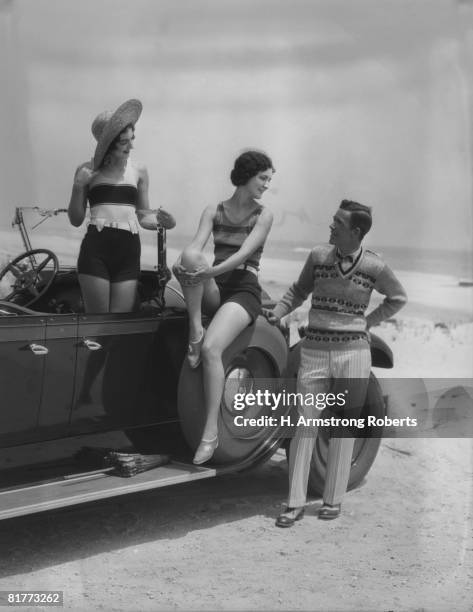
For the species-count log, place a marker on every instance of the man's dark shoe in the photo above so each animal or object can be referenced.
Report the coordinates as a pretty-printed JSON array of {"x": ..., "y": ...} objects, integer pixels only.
[
  {"x": 289, "y": 517},
  {"x": 328, "y": 512}
]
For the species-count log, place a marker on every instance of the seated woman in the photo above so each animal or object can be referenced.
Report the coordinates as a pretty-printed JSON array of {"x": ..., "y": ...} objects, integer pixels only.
[
  {"x": 117, "y": 191},
  {"x": 228, "y": 289}
]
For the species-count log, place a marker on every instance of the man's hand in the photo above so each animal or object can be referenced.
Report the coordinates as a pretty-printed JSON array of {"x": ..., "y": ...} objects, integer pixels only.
[{"x": 270, "y": 316}]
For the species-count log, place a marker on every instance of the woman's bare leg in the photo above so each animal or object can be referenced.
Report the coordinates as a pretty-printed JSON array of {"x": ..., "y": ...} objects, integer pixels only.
[
  {"x": 204, "y": 295},
  {"x": 229, "y": 321},
  {"x": 95, "y": 293},
  {"x": 123, "y": 296}
]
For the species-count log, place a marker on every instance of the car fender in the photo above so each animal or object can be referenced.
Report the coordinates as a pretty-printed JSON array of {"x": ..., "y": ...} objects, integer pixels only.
[{"x": 381, "y": 354}]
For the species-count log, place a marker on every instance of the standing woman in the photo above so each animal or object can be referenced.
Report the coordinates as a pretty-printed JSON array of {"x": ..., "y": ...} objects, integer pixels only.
[
  {"x": 117, "y": 192},
  {"x": 228, "y": 289}
]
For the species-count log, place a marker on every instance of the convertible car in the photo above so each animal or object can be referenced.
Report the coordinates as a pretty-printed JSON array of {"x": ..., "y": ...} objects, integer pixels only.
[{"x": 77, "y": 388}]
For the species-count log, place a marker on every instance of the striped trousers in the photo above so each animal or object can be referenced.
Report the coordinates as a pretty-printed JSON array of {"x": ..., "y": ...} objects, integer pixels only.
[{"x": 318, "y": 373}]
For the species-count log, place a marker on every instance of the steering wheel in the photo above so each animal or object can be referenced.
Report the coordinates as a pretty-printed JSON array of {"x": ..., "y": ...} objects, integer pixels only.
[{"x": 27, "y": 271}]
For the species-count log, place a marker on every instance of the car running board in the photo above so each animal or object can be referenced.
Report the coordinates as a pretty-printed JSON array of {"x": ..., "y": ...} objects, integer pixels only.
[{"x": 92, "y": 486}]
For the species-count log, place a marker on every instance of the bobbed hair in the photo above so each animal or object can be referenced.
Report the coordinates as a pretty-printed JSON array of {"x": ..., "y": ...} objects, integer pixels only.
[
  {"x": 247, "y": 165},
  {"x": 360, "y": 216}
]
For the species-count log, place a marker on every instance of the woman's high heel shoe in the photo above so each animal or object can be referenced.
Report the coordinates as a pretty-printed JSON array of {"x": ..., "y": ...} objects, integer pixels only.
[
  {"x": 205, "y": 450},
  {"x": 193, "y": 353}
]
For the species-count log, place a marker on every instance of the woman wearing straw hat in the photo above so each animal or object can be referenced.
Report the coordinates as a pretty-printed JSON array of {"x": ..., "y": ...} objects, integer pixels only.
[
  {"x": 117, "y": 192},
  {"x": 228, "y": 289}
]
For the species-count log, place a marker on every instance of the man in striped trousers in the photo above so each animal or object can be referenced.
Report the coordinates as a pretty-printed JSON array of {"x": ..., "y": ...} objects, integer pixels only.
[{"x": 335, "y": 354}]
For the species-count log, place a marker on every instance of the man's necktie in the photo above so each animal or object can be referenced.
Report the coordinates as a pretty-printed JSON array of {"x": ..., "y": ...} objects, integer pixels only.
[{"x": 345, "y": 261}]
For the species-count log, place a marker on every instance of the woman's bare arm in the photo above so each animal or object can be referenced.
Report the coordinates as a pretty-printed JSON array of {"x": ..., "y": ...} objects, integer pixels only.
[
  {"x": 147, "y": 218},
  {"x": 78, "y": 201}
]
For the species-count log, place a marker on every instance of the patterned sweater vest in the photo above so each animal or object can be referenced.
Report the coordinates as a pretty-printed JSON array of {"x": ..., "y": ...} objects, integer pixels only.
[{"x": 340, "y": 298}]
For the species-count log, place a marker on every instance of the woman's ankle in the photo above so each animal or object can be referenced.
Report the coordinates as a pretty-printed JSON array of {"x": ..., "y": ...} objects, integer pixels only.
[{"x": 210, "y": 434}]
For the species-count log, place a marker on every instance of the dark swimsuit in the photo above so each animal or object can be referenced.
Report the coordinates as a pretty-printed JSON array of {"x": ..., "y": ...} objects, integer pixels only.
[
  {"x": 240, "y": 285},
  {"x": 109, "y": 250}
]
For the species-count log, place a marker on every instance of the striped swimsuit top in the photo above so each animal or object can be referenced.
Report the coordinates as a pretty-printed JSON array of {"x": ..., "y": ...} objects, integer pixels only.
[
  {"x": 229, "y": 236},
  {"x": 113, "y": 205}
]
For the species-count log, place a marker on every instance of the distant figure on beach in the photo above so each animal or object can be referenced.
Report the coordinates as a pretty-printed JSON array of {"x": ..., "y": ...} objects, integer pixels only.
[
  {"x": 117, "y": 192},
  {"x": 228, "y": 289},
  {"x": 341, "y": 276}
]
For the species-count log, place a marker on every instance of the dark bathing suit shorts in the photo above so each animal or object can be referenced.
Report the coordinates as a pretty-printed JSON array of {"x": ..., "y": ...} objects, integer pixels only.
[
  {"x": 241, "y": 287},
  {"x": 113, "y": 254}
]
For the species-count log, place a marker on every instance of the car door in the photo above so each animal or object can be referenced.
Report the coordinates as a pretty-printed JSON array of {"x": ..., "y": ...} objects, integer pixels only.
[
  {"x": 23, "y": 354},
  {"x": 58, "y": 375},
  {"x": 113, "y": 363}
]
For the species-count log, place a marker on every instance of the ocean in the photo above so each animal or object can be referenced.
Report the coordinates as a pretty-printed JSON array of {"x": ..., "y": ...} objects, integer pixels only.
[{"x": 432, "y": 261}]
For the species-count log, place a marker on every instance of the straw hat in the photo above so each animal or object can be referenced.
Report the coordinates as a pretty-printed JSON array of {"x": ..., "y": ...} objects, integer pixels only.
[{"x": 108, "y": 125}]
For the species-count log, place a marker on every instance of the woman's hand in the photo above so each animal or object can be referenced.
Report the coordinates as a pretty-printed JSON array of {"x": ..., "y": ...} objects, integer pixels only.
[
  {"x": 178, "y": 268},
  {"x": 151, "y": 219},
  {"x": 83, "y": 175},
  {"x": 165, "y": 219},
  {"x": 194, "y": 277},
  {"x": 201, "y": 273}
]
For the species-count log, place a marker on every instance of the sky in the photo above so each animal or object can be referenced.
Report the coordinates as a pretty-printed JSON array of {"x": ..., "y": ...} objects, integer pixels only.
[{"x": 366, "y": 99}]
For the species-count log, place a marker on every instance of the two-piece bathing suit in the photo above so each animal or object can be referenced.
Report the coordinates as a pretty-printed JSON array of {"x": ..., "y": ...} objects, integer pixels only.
[
  {"x": 111, "y": 248},
  {"x": 241, "y": 284}
]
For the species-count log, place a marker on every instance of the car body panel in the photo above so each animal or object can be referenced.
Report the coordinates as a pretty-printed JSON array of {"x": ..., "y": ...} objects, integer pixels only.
[
  {"x": 21, "y": 377},
  {"x": 110, "y": 376},
  {"x": 58, "y": 376}
]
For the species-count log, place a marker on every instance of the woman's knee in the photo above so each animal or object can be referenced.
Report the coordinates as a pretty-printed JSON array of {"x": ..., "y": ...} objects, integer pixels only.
[
  {"x": 192, "y": 258},
  {"x": 211, "y": 351}
]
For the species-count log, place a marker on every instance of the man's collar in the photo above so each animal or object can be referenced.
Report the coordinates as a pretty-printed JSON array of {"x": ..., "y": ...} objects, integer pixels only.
[{"x": 353, "y": 256}]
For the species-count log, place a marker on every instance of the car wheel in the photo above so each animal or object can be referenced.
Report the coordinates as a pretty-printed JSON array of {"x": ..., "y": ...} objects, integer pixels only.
[
  {"x": 364, "y": 451},
  {"x": 246, "y": 371}
]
